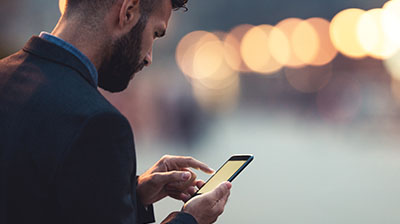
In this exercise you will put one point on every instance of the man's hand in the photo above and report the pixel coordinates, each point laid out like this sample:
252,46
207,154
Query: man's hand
207,207
170,176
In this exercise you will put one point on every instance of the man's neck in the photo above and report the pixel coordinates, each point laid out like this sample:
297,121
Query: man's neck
90,43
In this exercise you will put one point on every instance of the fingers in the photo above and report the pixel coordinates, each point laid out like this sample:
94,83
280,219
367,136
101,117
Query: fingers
173,190
182,185
199,183
183,190
185,197
180,196
170,177
187,187
206,208
222,192
191,190
223,201
193,175
185,162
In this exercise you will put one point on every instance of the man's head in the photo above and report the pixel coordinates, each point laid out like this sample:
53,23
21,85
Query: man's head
129,27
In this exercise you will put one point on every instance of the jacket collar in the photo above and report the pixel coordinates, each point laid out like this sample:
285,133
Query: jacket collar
54,53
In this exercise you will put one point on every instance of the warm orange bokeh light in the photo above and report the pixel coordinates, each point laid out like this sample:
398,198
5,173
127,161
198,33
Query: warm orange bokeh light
255,50
288,27
391,24
279,46
232,45
391,20
223,78
344,35
202,58
208,59
187,49
310,78
326,52
211,68
306,42
61,5
232,52
372,37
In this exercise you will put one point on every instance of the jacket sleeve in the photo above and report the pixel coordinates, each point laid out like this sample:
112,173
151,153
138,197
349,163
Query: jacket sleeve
96,182
179,218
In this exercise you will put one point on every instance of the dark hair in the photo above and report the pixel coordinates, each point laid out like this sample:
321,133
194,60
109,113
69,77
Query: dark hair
97,8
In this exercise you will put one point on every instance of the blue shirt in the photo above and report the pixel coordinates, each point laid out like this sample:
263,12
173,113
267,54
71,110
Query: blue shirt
73,50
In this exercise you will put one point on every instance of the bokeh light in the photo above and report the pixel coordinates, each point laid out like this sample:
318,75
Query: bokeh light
202,57
310,78
391,24
326,51
344,33
232,52
221,78
305,48
208,58
391,21
255,50
372,36
288,26
61,5
217,100
232,42
305,42
187,48
392,65
279,46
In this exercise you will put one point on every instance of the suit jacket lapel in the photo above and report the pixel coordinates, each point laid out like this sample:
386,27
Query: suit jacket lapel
52,52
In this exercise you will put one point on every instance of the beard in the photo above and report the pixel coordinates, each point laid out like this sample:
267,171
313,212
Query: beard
123,61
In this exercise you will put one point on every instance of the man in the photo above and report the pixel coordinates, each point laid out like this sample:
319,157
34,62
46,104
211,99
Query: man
66,154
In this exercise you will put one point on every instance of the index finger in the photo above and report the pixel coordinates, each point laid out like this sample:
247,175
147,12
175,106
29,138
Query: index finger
185,162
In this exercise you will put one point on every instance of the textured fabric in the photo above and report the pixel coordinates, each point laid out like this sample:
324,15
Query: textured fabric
73,50
180,218
66,154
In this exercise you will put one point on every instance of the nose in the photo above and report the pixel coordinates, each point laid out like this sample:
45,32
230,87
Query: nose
149,58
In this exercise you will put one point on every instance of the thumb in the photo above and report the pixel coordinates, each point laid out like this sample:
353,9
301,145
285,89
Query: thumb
222,191
172,176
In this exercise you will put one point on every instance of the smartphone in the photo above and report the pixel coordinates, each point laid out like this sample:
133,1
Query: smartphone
227,172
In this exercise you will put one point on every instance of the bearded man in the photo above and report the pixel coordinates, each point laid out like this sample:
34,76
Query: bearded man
66,154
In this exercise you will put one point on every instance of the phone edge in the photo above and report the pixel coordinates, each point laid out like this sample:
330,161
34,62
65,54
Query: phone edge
248,161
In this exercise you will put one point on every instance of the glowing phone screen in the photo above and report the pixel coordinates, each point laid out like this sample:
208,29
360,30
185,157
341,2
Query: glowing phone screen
221,175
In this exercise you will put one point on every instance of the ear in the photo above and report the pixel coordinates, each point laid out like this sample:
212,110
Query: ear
129,15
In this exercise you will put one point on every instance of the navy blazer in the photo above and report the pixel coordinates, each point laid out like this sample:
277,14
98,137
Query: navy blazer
66,154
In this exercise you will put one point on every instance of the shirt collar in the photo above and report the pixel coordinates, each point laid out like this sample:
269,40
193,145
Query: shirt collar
73,50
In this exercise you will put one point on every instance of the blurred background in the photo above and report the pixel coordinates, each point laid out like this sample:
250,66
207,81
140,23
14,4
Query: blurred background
309,87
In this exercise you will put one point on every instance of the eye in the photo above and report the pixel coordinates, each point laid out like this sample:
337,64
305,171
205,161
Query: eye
159,34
